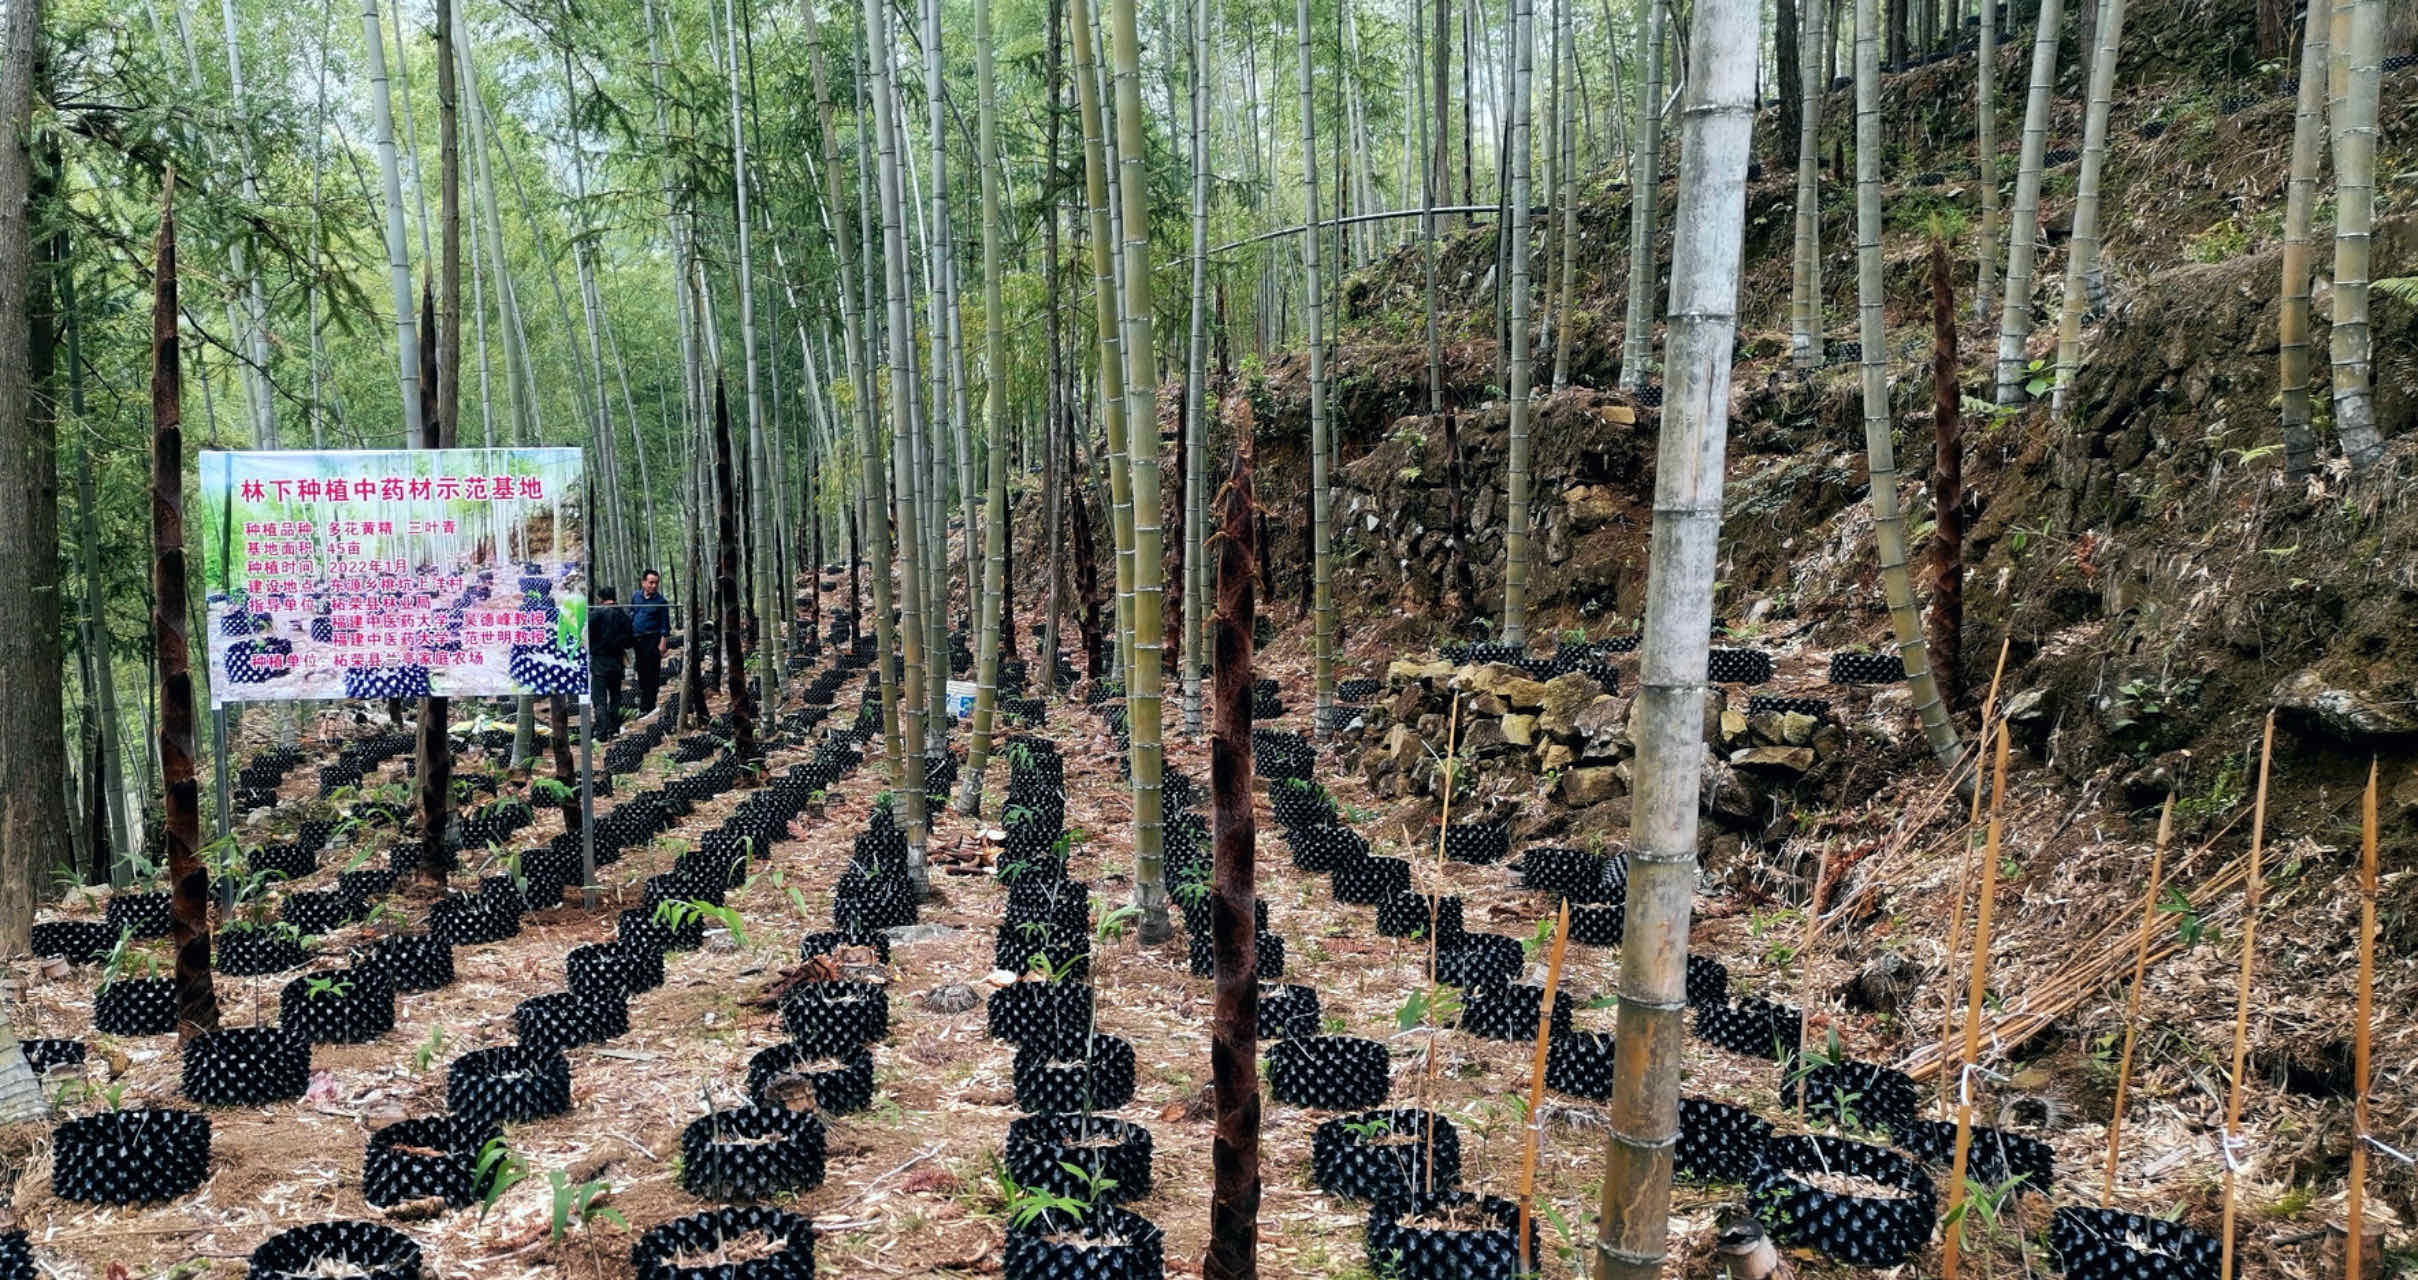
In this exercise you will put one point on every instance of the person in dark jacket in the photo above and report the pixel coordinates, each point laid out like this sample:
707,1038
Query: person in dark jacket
650,632
608,642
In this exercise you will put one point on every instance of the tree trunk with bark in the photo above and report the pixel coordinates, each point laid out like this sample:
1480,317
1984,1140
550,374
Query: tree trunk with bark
1947,616
726,584
1234,1020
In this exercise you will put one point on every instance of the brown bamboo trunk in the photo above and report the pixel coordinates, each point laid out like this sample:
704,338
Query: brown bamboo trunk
1947,620
196,1001
1085,555
1234,1042
726,584
432,759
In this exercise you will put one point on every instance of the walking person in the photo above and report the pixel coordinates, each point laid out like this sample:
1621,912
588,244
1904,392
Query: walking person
650,631
608,644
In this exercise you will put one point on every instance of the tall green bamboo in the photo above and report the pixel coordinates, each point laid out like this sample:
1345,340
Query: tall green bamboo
1708,227
1104,256
912,709
2023,220
1805,261
1985,146
1645,182
398,264
1880,449
1515,525
2353,342
1322,566
987,619
1143,678
2300,198
772,606
1196,434
2085,286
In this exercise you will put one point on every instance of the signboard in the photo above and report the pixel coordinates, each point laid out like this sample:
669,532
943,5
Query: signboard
404,574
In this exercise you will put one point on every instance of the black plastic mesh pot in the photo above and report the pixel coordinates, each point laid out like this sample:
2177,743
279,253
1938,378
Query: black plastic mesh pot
1409,915
1287,1011
415,961
369,1250
1097,1076
1358,689
1572,873
779,1245
508,1084
1104,1243
145,915
1866,668
1598,924
1858,1095
1323,849
471,919
1371,880
1115,1154
638,929
1045,1013
1755,1027
1708,982
318,911
135,1007
863,901
832,1019
1579,1063
1993,1158
245,1066
1509,1011
130,1157
1379,1155
338,1006
46,1056
831,941
1482,1242
1875,1230
1298,803
751,1152
432,1157
565,1019
1037,945
1276,755
1782,704
245,953
17,1257
1476,959
2103,1244
75,941
1479,843
599,971
836,1086
1738,666
1330,1073
1718,1142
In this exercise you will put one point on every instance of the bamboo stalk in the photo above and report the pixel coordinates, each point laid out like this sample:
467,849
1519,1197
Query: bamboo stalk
2355,1202
2132,1000
1964,875
2241,997
1435,909
1974,985
1536,1075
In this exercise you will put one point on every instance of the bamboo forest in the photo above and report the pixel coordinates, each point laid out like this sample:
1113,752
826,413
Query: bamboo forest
1124,639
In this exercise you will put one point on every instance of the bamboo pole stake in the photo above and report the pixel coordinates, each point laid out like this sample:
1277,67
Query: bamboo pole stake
1964,875
2355,1202
2132,999
1535,1134
1435,910
2241,998
1974,985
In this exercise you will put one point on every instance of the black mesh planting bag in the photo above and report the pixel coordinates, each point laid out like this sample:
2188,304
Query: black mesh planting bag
1482,843
1330,1073
1853,1201
75,941
246,952
368,1250
339,1006
246,1066
1718,1142
1115,1154
508,1084
431,1157
1579,1063
1866,668
1752,1026
836,1086
751,1153
1476,959
1472,1237
1510,1011
1377,1155
415,961
777,1245
1044,1012
1080,1076
1858,1095
1104,1243
2104,1244
1409,915
145,915
1738,666
833,1019
565,1019
1287,1011
1993,1157
135,1007
134,1156
1371,880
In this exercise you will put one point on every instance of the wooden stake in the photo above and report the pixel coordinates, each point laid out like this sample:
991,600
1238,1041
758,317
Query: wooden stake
1964,875
2241,998
2355,1202
1535,1134
1435,909
2132,999
1973,992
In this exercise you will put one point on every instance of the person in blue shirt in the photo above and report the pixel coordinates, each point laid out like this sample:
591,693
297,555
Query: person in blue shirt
650,632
